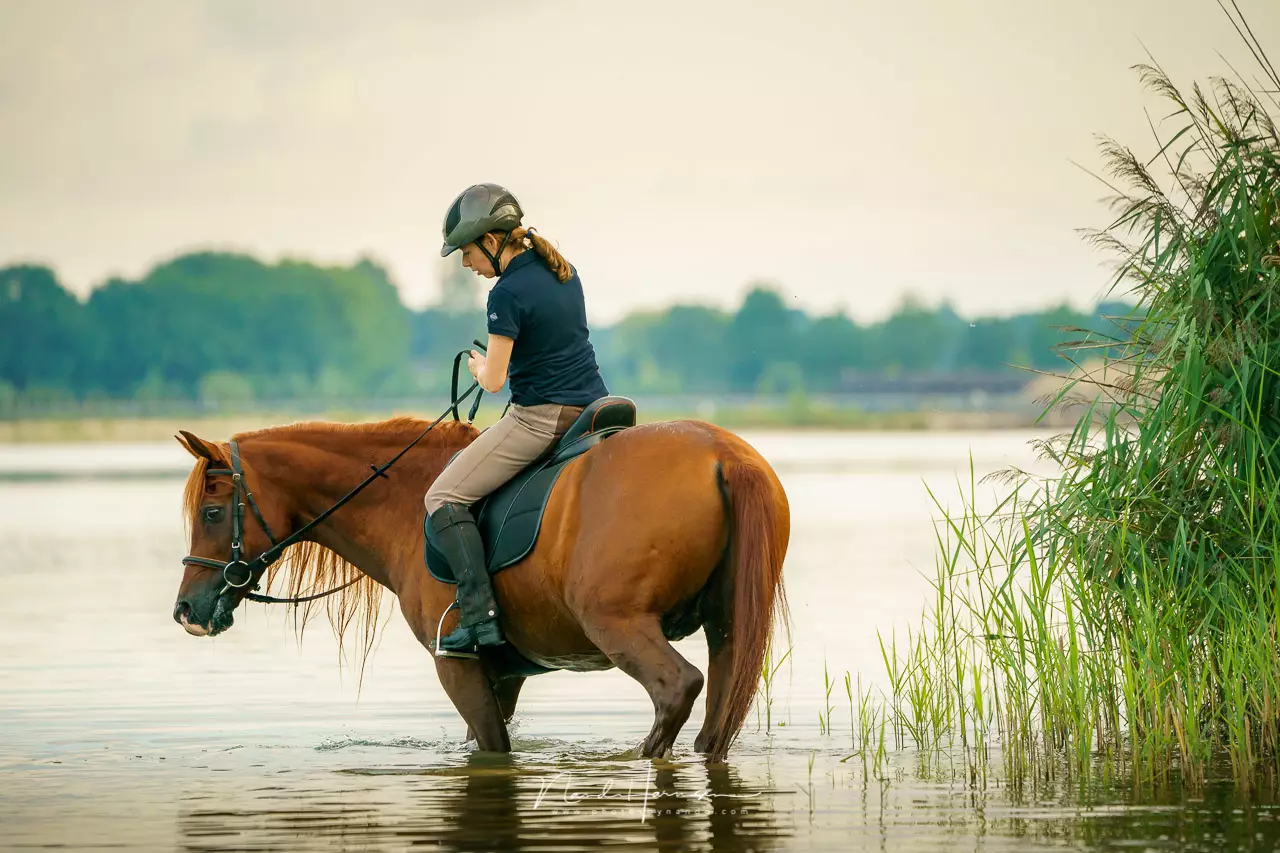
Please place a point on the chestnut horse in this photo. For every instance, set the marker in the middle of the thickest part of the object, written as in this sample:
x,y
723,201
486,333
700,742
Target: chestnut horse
x,y
658,531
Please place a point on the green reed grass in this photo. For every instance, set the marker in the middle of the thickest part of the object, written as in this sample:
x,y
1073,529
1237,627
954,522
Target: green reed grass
x,y
868,727
1126,609
1121,616
768,692
824,716
848,691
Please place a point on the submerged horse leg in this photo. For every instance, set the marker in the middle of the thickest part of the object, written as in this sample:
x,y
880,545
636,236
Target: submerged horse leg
x,y
473,695
719,677
508,691
639,649
717,625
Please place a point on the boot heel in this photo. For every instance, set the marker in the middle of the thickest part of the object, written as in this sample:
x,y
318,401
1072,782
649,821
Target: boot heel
x,y
489,633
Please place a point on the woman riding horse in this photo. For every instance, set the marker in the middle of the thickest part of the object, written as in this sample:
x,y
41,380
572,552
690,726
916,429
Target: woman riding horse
x,y
617,575
538,339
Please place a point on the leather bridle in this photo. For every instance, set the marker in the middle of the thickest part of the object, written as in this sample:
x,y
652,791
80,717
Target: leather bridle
x,y
238,573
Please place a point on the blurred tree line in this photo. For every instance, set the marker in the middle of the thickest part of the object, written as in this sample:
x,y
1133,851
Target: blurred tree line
x,y
224,328
766,346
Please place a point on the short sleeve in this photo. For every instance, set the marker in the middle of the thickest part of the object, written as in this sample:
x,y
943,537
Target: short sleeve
x,y
504,313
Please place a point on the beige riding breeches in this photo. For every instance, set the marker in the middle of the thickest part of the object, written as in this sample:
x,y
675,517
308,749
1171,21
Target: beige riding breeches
x,y
502,451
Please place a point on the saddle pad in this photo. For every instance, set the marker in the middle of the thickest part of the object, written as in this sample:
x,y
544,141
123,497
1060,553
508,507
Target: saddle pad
x,y
508,521
509,518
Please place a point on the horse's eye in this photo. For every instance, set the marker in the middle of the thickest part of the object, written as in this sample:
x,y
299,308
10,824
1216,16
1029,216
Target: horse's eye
x,y
212,514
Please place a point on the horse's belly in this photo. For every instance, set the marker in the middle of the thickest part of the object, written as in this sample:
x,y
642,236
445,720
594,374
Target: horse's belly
x,y
580,662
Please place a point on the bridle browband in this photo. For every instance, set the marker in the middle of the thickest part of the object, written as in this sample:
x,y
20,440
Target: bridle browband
x,y
237,573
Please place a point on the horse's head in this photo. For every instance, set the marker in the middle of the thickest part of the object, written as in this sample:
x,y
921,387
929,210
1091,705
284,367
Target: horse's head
x,y
223,539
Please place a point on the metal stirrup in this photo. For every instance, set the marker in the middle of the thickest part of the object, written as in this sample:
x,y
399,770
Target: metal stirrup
x,y
441,653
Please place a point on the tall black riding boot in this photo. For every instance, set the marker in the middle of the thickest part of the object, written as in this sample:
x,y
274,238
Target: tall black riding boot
x,y
456,537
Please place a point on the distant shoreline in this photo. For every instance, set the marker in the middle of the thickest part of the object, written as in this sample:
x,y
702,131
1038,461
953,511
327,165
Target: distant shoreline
x,y
143,429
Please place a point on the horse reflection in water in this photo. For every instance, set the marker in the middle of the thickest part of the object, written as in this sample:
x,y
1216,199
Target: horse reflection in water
x,y
660,531
670,807
493,802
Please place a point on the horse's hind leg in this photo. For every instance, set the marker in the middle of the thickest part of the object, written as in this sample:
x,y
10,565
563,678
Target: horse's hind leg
x,y
719,677
639,649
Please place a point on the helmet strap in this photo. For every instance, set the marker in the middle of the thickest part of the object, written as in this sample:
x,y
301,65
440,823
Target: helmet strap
x,y
494,258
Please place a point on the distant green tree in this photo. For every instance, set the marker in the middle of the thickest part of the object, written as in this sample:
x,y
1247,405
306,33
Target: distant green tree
x,y
763,331
451,324
988,344
830,346
44,337
377,321
628,358
219,326
222,388
334,384
460,289
128,347
781,377
681,348
153,388
437,335
691,340
1050,330
8,398
916,338
211,312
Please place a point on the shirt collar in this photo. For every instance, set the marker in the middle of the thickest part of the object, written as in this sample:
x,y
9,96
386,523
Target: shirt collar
x,y
525,258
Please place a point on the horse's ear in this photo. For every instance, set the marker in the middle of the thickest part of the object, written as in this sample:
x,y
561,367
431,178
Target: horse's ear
x,y
197,446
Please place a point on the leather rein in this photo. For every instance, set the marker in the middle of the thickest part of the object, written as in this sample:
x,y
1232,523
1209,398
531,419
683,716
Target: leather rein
x,y
238,573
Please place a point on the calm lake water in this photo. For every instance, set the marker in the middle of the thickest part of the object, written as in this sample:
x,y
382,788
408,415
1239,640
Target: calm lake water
x,y
119,730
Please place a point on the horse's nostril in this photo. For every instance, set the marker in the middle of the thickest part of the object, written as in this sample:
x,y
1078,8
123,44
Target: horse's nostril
x,y
180,610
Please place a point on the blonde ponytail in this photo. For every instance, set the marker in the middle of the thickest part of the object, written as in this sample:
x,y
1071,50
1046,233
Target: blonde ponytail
x,y
555,261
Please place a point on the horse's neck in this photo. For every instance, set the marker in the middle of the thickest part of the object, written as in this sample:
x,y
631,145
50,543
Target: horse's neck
x,y
379,531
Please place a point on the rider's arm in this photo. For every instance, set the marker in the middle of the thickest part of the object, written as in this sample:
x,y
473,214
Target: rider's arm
x,y
492,374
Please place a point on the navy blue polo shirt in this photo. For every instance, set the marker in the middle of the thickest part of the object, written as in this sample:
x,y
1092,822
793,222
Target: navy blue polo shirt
x,y
552,360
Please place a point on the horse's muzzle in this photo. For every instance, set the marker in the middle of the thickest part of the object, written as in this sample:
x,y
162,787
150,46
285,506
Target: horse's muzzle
x,y
220,620
182,615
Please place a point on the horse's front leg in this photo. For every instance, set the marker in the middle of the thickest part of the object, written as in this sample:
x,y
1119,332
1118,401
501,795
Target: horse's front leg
x,y
466,681
508,691
472,694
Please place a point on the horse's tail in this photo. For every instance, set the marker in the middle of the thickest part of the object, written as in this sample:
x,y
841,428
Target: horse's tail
x,y
760,525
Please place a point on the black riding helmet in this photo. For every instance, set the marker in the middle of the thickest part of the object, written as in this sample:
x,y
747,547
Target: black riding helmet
x,y
476,211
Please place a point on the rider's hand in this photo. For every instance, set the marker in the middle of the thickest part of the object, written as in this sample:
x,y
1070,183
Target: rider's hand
x,y
475,364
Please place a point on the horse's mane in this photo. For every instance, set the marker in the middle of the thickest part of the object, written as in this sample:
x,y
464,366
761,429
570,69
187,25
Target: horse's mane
x,y
308,567
392,427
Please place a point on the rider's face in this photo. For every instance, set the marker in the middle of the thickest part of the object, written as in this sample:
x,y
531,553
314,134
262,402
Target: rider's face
x,y
475,260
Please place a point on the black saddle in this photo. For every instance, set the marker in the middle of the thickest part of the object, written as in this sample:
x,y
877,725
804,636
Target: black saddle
x,y
509,518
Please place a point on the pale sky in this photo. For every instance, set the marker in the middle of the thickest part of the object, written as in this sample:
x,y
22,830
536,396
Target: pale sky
x,y
849,151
